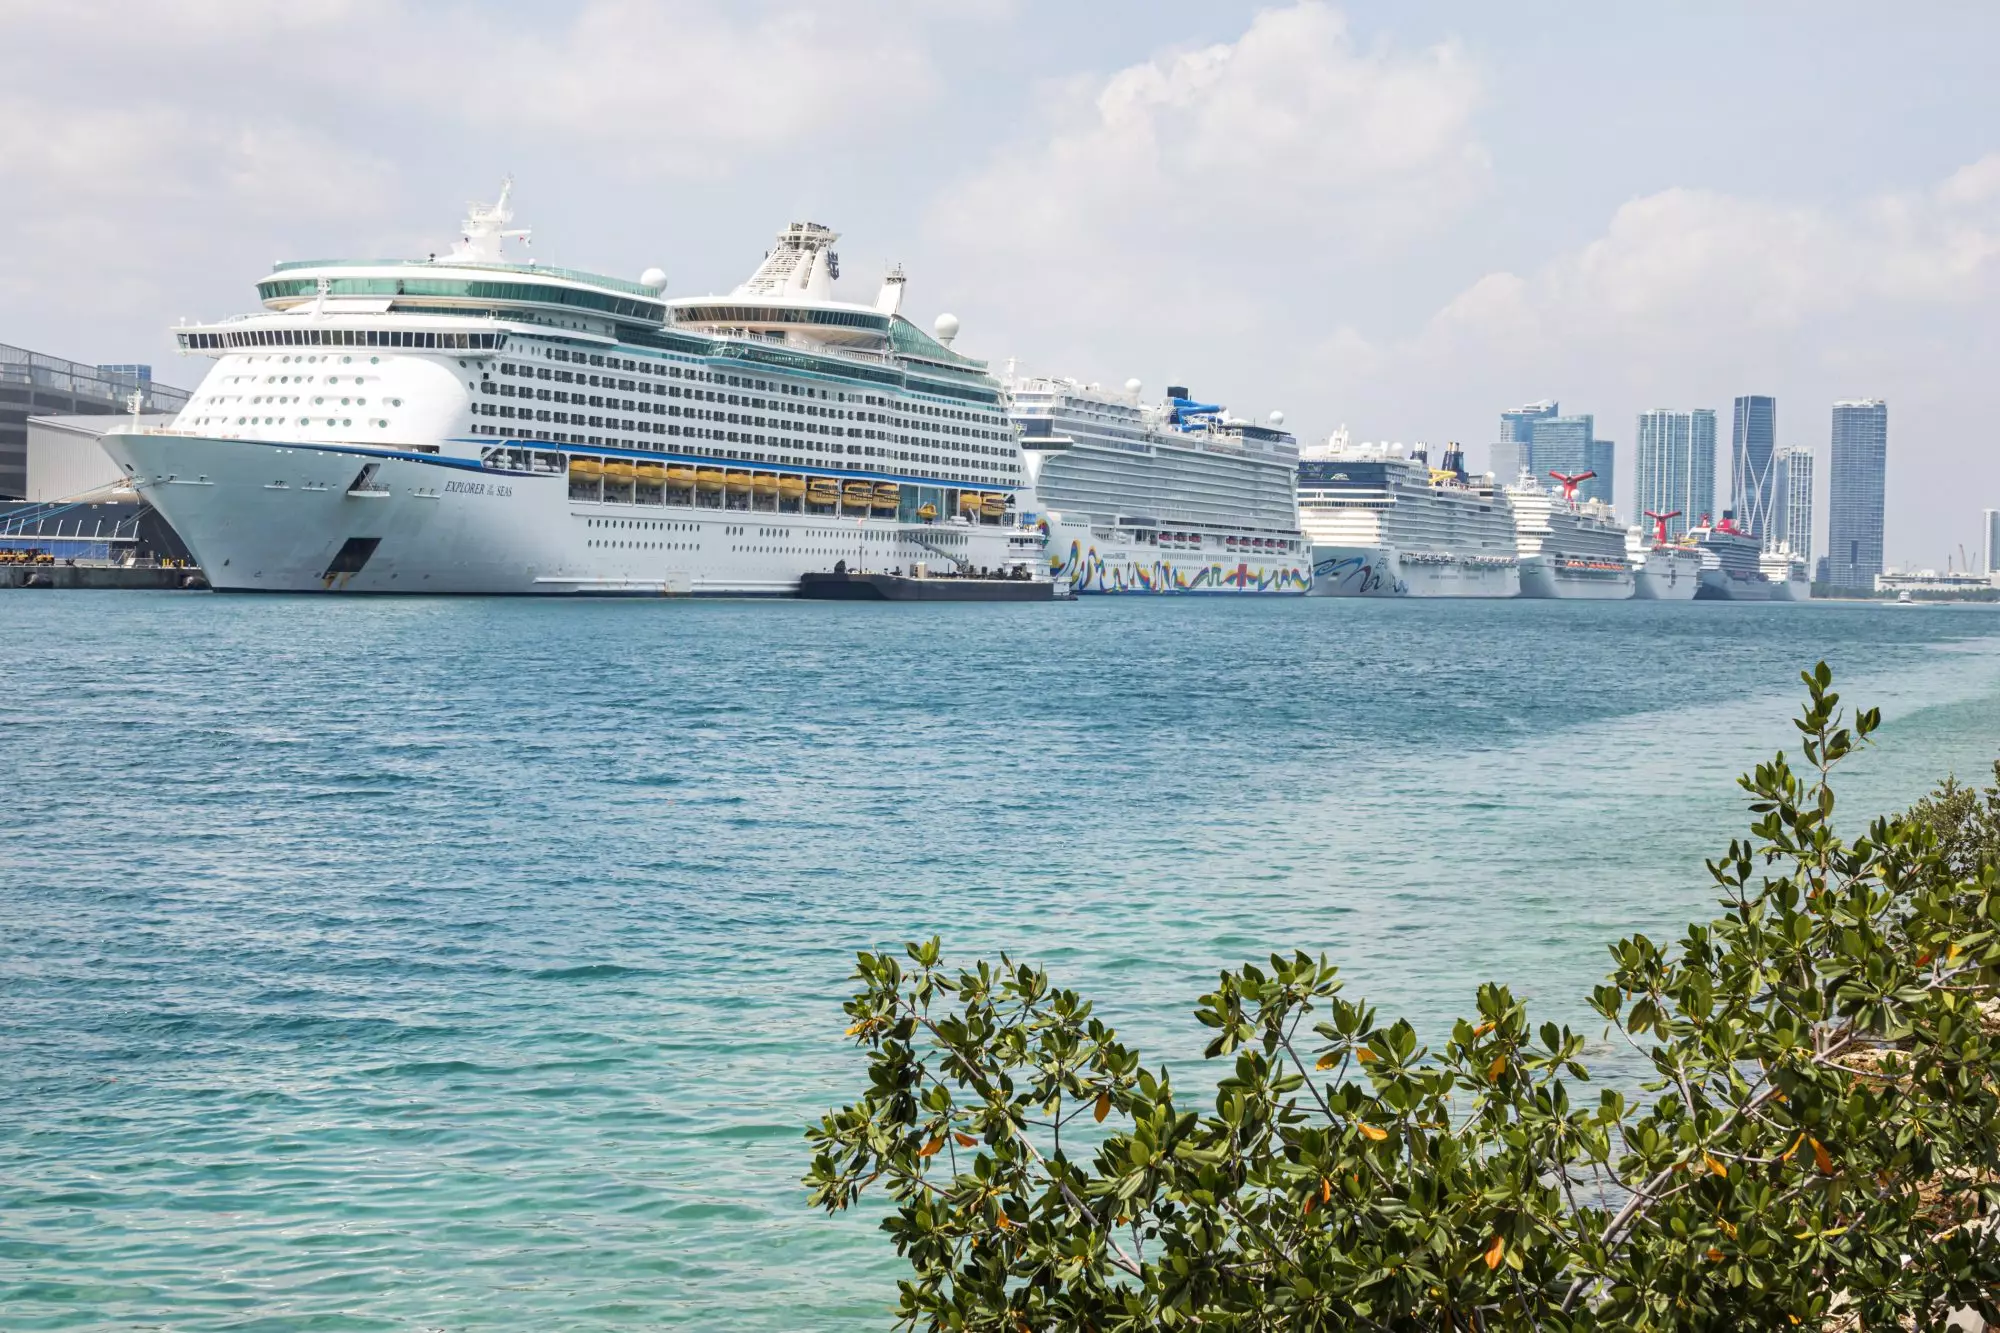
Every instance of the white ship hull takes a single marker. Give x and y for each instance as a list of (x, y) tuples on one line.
[(1543, 577), (1383, 571), (1094, 561), (268, 517), (1661, 575)]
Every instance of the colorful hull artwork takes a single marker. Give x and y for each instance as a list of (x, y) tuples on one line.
[(1358, 576), (1088, 571)]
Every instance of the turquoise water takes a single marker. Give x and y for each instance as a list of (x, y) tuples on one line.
[(476, 964)]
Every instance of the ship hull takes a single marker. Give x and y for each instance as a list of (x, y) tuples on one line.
[(1383, 571), (1718, 586), (1544, 578), (1665, 577), (1092, 563), (263, 517)]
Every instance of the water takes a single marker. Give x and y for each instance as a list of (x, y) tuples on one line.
[(454, 964)]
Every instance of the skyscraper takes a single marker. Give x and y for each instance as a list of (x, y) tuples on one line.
[(1676, 457), (1604, 462), (1539, 440), (1855, 482), (1560, 444), (1992, 561), (1752, 443), (1517, 426), (1792, 502)]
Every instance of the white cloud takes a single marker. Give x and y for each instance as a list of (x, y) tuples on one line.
[(1694, 268), (1174, 177)]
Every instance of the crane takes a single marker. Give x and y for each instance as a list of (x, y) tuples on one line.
[(1660, 524), (1570, 481)]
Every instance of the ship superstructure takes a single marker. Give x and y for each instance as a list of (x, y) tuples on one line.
[(1735, 567), (1387, 524), (1664, 568), (1131, 496), (1569, 548), (468, 424)]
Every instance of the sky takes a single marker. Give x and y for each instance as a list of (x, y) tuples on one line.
[(1401, 218)]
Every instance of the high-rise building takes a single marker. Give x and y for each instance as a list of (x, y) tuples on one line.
[(1676, 458), (1992, 561), (1538, 439), (1855, 482), (33, 385), (1752, 445), (1518, 426), (1792, 501), (1604, 462), (1508, 459)]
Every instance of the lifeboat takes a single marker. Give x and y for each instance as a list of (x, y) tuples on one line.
[(739, 482), (652, 474), (993, 506), (765, 483), (927, 512), (888, 497), (708, 479), (968, 502), (585, 467), (791, 487), (682, 477), (823, 491), (620, 472), (858, 494)]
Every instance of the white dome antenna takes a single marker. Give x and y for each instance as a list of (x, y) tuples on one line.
[(655, 278), (946, 328), (1132, 386), (1277, 418)]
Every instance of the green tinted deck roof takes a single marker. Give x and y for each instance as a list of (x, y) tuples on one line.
[(909, 340), (525, 270)]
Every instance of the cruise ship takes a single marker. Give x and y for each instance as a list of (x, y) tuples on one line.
[(1736, 568), (1127, 496), (467, 424), (1569, 548), (1663, 570), (1383, 524)]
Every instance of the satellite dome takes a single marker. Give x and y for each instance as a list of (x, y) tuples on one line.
[(656, 278), (1277, 418), (946, 328), (1133, 386)]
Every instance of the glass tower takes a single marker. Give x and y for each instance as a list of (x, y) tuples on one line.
[(1539, 440), (1677, 466), (1752, 488), (1855, 480), (1518, 426), (1792, 502)]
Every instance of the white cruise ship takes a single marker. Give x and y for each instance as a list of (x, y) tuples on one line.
[(466, 424), (1568, 548), (1174, 497), (1386, 525), (1663, 570)]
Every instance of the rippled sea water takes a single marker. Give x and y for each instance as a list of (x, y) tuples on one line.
[(469, 964)]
